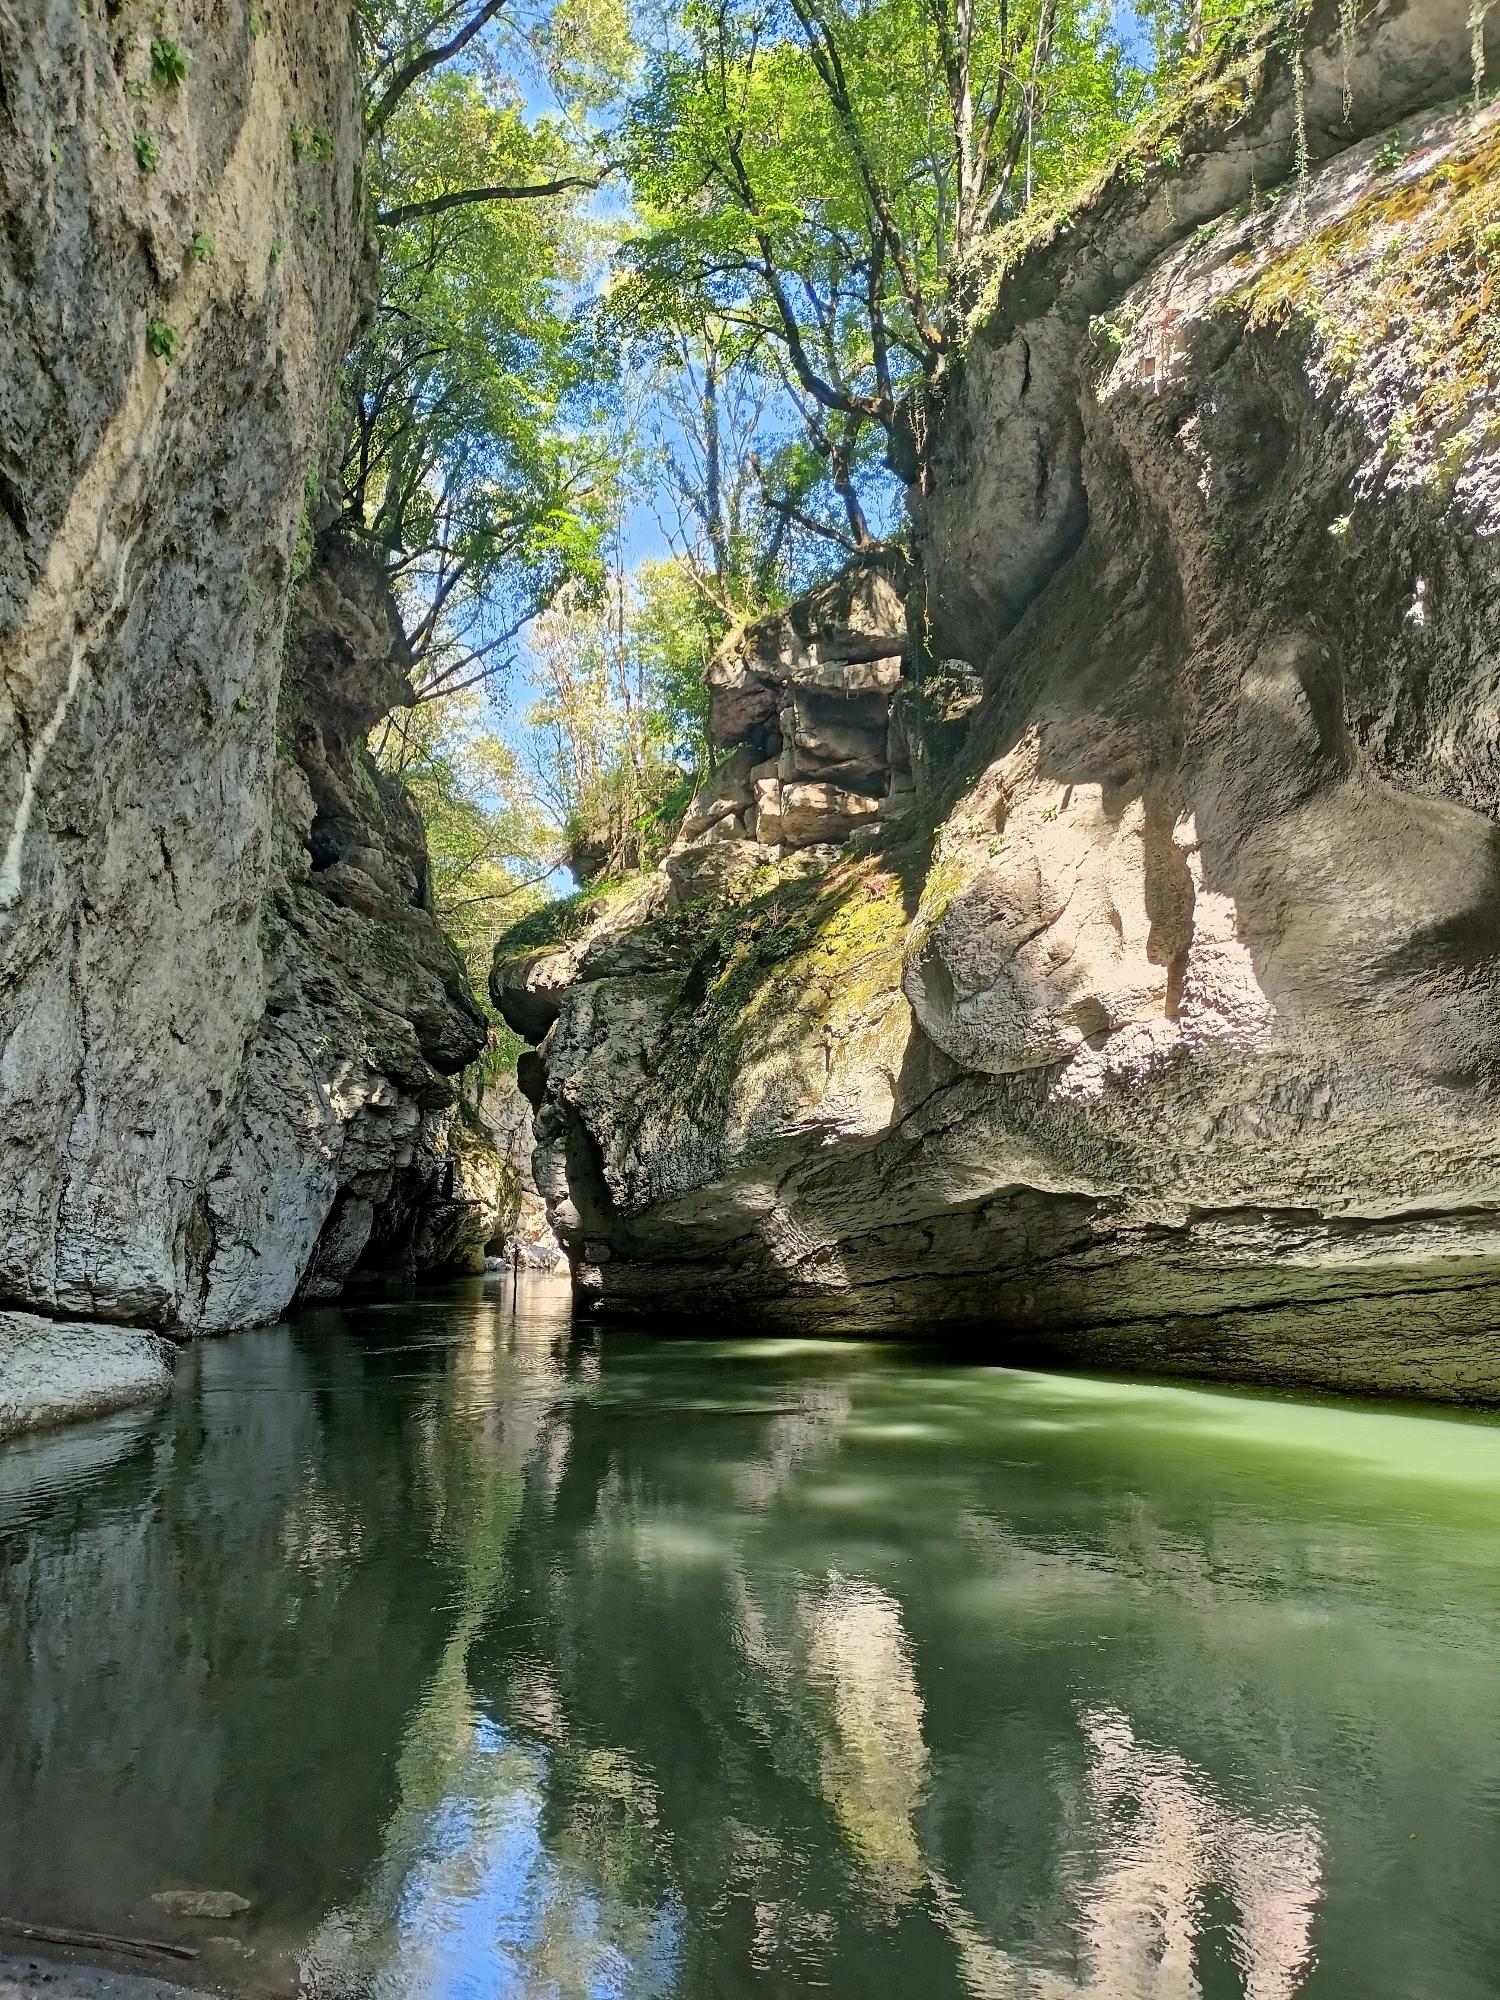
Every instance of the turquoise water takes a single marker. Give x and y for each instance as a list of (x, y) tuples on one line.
[(490, 1656)]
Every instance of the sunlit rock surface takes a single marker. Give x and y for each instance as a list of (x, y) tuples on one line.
[(803, 702), (151, 507), (1157, 1023)]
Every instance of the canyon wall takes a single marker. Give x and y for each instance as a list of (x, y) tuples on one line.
[(227, 1016), (1090, 940)]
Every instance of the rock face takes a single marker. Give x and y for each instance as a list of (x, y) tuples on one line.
[(151, 504), (225, 1012), (802, 702), (1159, 1027), (348, 1150), (524, 1235)]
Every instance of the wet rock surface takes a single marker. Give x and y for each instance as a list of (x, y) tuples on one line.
[(38, 1979)]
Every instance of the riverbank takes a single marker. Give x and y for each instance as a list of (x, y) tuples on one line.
[(54, 1979)]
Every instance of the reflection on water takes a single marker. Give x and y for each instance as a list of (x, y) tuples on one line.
[(490, 1657)]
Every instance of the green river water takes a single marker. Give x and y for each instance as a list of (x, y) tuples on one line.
[(488, 1655)]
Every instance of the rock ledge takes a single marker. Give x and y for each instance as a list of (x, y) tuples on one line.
[(54, 1371)]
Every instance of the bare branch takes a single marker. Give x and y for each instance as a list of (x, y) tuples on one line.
[(439, 204)]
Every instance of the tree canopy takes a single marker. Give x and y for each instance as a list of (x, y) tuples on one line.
[(815, 176), (653, 286), (479, 464)]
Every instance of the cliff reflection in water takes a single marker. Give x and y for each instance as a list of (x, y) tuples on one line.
[(491, 1658)]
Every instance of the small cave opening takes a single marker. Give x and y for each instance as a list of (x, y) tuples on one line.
[(325, 840)]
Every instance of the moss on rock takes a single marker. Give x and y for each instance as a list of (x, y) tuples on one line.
[(562, 922), (784, 975), (1414, 265)]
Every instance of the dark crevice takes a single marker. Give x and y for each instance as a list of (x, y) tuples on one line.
[(11, 503)]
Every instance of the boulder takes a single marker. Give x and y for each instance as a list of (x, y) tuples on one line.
[(53, 1371), (813, 813), (768, 826)]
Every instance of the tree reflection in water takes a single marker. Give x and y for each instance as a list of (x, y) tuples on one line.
[(492, 1658), (520, 1857), (470, 1886)]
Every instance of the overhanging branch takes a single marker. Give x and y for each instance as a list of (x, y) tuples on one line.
[(439, 204), (425, 60)]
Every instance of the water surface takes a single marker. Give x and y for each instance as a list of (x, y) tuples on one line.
[(489, 1656)]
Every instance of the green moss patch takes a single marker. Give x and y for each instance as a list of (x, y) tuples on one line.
[(1210, 99), (552, 925), (783, 972), (1414, 266)]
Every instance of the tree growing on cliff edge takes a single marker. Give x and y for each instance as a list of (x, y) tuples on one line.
[(813, 183), (820, 178), (817, 175), (480, 462)]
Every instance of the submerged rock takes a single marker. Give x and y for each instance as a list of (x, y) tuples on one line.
[(215, 1905), (27, 1979)]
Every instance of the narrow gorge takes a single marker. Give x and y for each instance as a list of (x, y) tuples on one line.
[(749, 999), (1086, 935)]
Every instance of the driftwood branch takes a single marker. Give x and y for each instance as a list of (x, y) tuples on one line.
[(97, 1940)]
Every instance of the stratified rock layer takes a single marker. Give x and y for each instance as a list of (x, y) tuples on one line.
[(1160, 1029)]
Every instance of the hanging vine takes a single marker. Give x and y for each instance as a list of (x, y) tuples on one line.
[(1348, 9), (1294, 41)]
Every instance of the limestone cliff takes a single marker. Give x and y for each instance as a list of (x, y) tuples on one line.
[(226, 1014), (347, 1149), (1113, 963)]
